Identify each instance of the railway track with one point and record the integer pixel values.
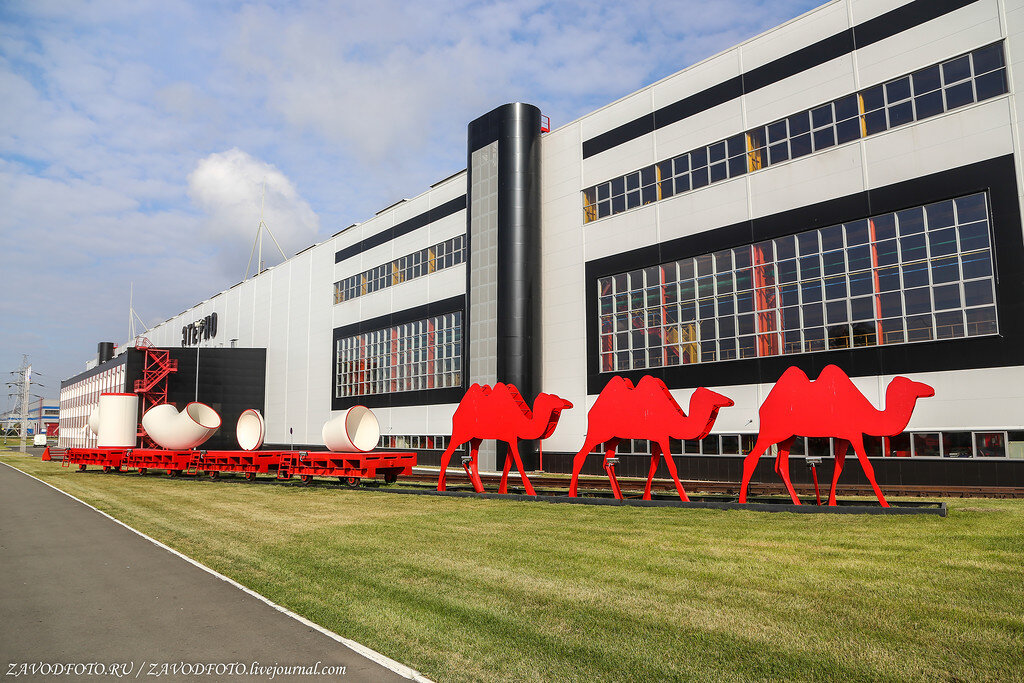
(632, 487)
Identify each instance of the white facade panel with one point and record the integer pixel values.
(960, 137)
(835, 172)
(714, 206)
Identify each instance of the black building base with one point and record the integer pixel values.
(888, 471)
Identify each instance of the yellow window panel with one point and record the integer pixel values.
(755, 149)
(589, 206)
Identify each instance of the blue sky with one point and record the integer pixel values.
(134, 136)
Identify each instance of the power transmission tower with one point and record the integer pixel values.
(21, 385)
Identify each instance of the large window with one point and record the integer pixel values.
(425, 354)
(919, 274)
(423, 262)
(973, 77)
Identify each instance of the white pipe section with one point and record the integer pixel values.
(251, 430)
(117, 417)
(354, 431)
(180, 431)
(94, 422)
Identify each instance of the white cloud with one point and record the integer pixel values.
(228, 187)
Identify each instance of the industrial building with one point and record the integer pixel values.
(841, 189)
(42, 417)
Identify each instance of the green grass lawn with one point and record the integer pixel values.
(466, 589)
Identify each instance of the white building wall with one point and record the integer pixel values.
(973, 133)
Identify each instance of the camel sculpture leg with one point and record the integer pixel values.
(655, 454)
(609, 452)
(750, 464)
(503, 487)
(671, 463)
(514, 448)
(869, 471)
(577, 465)
(445, 458)
(841, 446)
(782, 467)
(473, 468)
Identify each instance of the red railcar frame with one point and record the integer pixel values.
(349, 467)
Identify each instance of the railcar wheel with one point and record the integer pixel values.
(306, 479)
(214, 474)
(142, 471)
(250, 476)
(173, 473)
(352, 481)
(390, 478)
(81, 468)
(106, 469)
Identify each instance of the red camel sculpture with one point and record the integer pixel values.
(500, 413)
(829, 406)
(646, 412)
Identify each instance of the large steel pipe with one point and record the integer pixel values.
(115, 420)
(180, 431)
(250, 430)
(94, 421)
(354, 431)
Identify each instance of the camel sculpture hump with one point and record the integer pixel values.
(627, 412)
(833, 406)
(653, 391)
(649, 411)
(797, 405)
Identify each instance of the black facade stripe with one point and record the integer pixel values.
(103, 367)
(646, 124)
(402, 398)
(867, 33)
(995, 176)
(815, 54)
(416, 222)
(904, 18)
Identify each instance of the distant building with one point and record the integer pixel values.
(844, 188)
(41, 414)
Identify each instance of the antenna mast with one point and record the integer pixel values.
(133, 316)
(259, 238)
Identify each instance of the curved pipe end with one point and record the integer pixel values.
(250, 430)
(354, 431)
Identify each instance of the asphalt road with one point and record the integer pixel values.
(78, 588)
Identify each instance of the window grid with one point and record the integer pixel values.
(973, 77)
(445, 254)
(415, 356)
(964, 444)
(919, 274)
(415, 441)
